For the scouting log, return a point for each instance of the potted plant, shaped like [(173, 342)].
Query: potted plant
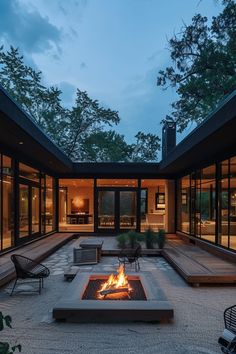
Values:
[(150, 238), (161, 238), (122, 240)]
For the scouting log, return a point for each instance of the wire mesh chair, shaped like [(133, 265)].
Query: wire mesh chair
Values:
[(27, 268), (228, 339), (130, 256)]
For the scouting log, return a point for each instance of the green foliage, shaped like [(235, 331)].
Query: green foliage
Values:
[(204, 70), (129, 239), (122, 240), (132, 237), (150, 238), (5, 348), (161, 238), (83, 132)]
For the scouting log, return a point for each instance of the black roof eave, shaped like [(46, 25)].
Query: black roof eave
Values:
[(116, 170), (209, 141), (18, 124)]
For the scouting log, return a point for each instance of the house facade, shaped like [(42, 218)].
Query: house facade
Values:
[(192, 191)]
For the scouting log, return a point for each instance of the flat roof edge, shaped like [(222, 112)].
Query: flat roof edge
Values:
[(25, 122)]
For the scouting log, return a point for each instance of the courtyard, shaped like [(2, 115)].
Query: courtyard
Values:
[(197, 323)]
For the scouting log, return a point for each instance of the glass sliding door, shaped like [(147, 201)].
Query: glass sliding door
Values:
[(117, 210), (106, 209), (23, 210), (35, 210), (128, 210)]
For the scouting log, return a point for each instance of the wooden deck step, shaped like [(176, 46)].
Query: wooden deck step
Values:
[(197, 266), (37, 250)]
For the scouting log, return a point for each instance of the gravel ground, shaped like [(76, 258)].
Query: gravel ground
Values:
[(198, 316)]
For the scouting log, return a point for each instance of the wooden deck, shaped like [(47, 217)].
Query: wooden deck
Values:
[(37, 250), (197, 266), (194, 264)]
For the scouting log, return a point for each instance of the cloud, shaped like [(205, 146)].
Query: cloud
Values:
[(27, 29), (83, 65), (143, 105)]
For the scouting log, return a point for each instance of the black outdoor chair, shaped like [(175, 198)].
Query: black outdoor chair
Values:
[(130, 256), (26, 268), (228, 339)]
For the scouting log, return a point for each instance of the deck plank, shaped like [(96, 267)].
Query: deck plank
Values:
[(198, 266), (38, 250)]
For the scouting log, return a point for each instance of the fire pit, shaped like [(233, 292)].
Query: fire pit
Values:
[(114, 287), (113, 298)]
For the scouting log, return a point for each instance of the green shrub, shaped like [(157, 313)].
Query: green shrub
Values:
[(122, 240), (150, 238), (161, 238), (128, 239), (5, 347), (132, 237)]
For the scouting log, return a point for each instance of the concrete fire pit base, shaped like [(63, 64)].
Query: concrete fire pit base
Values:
[(72, 308)]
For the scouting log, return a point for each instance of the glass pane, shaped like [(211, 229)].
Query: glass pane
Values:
[(28, 172), (35, 210), (7, 165), (224, 204), (76, 205), (208, 204), (198, 214), (23, 210), (232, 210), (43, 224), (128, 207), (50, 205), (184, 200), (8, 212), (106, 209), (192, 203), (155, 200)]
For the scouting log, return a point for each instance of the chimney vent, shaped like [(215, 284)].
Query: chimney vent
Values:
[(168, 136)]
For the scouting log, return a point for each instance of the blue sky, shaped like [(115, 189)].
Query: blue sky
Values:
[(113, 49)]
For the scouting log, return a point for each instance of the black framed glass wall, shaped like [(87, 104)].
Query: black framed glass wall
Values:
[(76, 205), (183, 202), (29, 201), (24, 193), (48, 204), (206, 203), (7, 211), (112, 205)]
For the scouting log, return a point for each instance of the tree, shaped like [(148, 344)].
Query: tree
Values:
[(82, 132), (106, 146), (145, 147), (204, 65)]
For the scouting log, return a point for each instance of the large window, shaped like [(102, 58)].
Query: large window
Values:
[(183, 203), (207, 203), (153, 204), (232, 204), (76, 205), (49, 216), (7, 205)]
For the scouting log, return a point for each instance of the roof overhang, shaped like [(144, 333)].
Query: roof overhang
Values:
[(115, 170), (212, 140), (16, 127)]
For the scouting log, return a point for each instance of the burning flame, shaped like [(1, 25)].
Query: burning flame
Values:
[(119, 281)]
